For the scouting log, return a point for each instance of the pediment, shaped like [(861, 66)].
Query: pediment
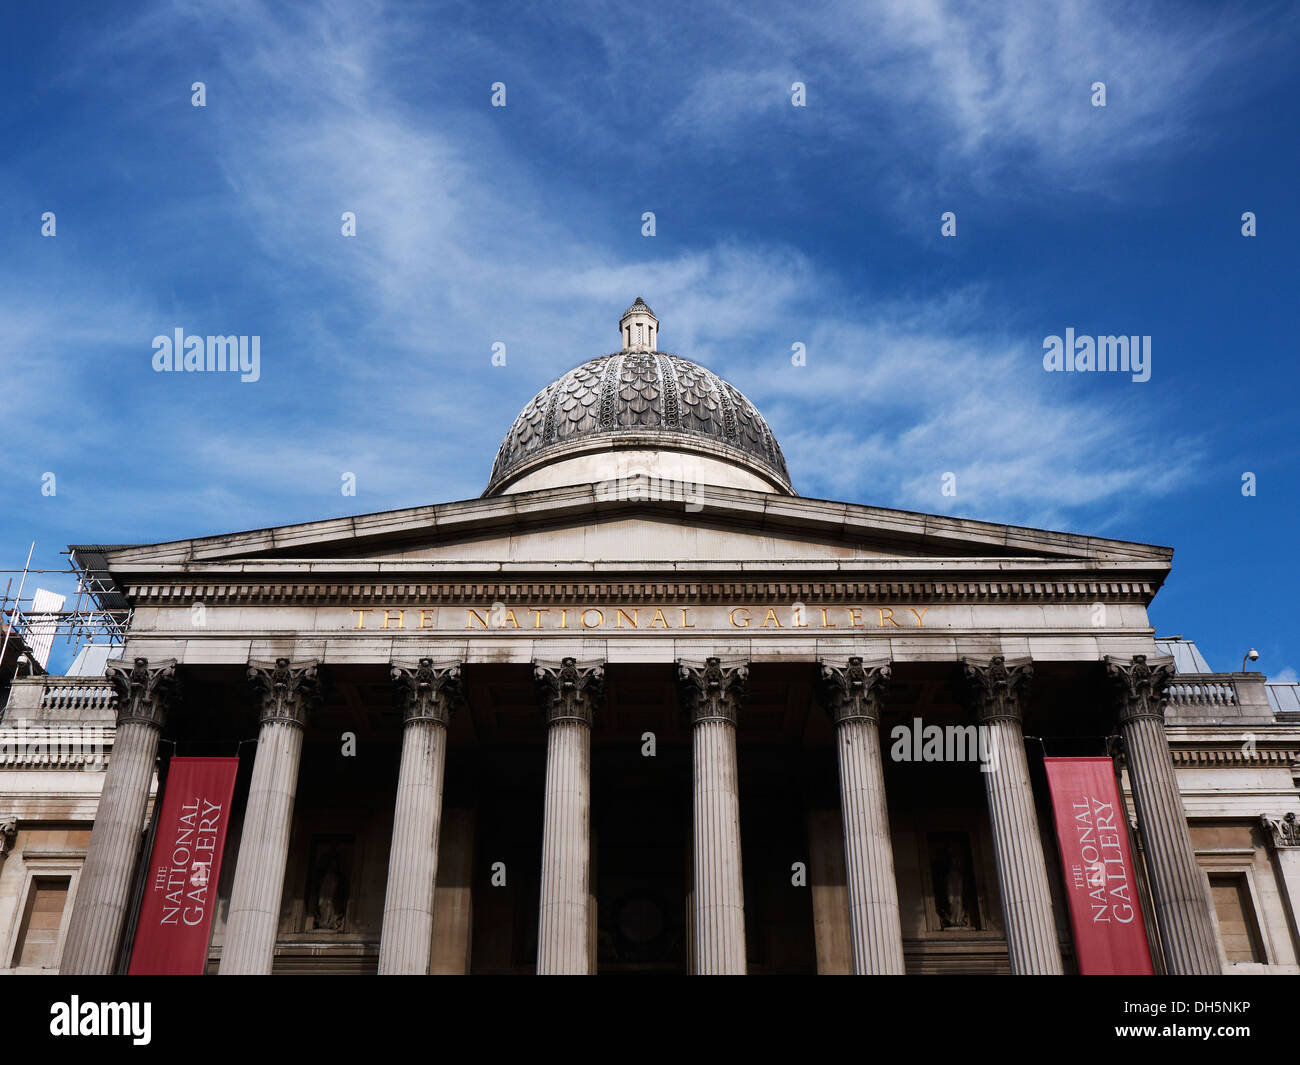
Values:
[(544, 530)]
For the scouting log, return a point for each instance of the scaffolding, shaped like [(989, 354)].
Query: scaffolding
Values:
[(99, 613)]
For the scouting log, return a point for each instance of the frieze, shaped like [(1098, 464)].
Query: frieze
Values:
[(501, 616), (674, 593)]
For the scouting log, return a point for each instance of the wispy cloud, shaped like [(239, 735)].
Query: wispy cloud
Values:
[(968, 95), (376, 349), (886, 408)]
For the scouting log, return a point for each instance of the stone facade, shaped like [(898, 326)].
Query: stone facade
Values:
[(568, 729)]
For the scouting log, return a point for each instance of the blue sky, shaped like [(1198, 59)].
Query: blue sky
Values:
[(775, 224)]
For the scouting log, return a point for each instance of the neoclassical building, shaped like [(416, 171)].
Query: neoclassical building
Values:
[(641, 708)]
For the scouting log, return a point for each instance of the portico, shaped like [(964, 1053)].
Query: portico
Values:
[(777, 707), (581, 726)]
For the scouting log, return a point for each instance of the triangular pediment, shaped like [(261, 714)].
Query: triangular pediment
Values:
[(721, 530)]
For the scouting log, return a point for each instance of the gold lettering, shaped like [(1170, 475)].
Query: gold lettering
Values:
[(472, 616), (590, 610), (510, 617), (771, 616), (855, 617), (825, 623), (426, 616), (684, 625), (737, 624), (659, 617), (537, 615), (920, 617), (399, 614), (361, 616), (564, 617), (632, 620), (887, 614)]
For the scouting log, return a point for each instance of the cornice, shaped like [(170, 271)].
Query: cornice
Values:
[(1229, 756), (755, 511), (1246, 745), (308, 592)]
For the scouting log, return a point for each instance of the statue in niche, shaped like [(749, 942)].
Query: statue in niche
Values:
[(328, 902), (956, 892), (953, 881)]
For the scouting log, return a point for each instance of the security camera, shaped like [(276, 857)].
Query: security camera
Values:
[(1251, 656)]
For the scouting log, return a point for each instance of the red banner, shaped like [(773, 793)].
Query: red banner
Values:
[(176, 914), (1109, 936)]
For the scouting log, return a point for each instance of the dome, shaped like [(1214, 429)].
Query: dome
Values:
[(682, 421)]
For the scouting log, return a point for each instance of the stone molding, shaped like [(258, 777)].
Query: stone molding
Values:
[(997, 688), (8, 833), (669, 593), (712, 692), (288, 691), (1281, 831), (855, 690), (570, 691), (1142, 686), (428, 693), (1233, 754), (144, 692)]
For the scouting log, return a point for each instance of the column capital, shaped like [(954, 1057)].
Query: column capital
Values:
[(712, 692), (997, 688), (855, 690), (570, 691), (1141, 685), (288, 690), (144, 692), (1281, 831), (428, 692)]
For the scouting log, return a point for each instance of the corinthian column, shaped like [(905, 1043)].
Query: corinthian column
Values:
[(1178, 888), (996, 691), (406, 939), (287, 691), (105, 884), (712, 695), (1283, 836), (853, 694), (569, 695)]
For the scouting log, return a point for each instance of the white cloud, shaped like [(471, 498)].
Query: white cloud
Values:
[(983, 93), (883, 410), (461, 243)]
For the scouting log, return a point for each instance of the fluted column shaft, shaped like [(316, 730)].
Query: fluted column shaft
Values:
[(712, 695), (569, 694), (287, 692), (1178, 888), (719, 887), (563, 944), (104, 887), (1032, 944), (407, 937), (853, 693)]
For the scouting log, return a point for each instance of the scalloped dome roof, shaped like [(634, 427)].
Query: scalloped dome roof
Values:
[(641, 399)]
